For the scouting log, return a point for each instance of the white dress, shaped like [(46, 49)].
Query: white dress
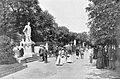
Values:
[(60, 60)]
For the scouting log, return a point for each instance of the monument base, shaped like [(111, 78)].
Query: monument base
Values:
[(27, 53)]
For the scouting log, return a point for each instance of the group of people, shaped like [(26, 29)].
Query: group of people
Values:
[(19, 51), (80, 52), (63, 55), (105, 56), (66, 54)]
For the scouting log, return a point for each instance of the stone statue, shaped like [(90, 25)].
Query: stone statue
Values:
[(27, 32), (75, 42)]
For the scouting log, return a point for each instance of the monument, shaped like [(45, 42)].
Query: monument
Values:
[(27, 44), (75, 42), (27, 33)]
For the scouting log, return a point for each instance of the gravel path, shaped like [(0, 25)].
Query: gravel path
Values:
[(79, 69)]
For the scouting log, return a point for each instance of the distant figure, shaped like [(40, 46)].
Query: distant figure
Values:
[(45, 55), (60, 61), (27, 32), (99, 63), (21, 48), (77, 52), (41, 50), (69, 55), (63, 55), (112, 57), (16, 51), (91, 54), (56, 52), (82, 52)]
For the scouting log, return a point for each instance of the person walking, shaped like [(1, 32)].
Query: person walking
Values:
[(99, 63), (41, 57), (64, 55), (45, 55), (56, 52), (106, 59), (77, 52), (82, 53), (21, 50), (59, 61), (112, 57), (69, 56), (91, 54)]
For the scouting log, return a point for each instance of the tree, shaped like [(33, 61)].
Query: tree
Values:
[(29, 11), (62, 34), (45, 26), (14, 16), (104, 20), (6, 32), (82, 37)]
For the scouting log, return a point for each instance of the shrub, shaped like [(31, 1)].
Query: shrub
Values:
[(6, 52)]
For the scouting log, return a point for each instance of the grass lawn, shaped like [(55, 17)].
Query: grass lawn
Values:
[(12, 68), (9, 69)]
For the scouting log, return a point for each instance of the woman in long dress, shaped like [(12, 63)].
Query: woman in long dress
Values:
[(64, 55), (69, 57), (99, 63), (60, 60)]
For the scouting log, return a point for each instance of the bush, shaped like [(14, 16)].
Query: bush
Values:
[(6, 53)]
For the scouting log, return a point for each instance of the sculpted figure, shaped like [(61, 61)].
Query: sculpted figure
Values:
[(27, 32)]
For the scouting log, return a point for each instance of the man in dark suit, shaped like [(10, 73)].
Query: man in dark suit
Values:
[(45, 55)]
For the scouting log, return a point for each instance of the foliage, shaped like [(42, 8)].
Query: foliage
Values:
[(6, 53), (82, 36), (103, 20)]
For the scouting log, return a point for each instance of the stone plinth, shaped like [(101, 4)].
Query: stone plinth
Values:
[(27, 52)]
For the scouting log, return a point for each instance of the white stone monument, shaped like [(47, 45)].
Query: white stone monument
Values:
[(27, 32), (75, 42), (46, 46), (27, 43)]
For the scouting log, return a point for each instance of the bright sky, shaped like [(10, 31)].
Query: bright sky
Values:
[(69, 13)]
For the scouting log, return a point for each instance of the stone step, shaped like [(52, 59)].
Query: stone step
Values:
[(27, 54)]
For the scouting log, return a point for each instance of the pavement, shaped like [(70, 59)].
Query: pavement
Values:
[(79, 69)]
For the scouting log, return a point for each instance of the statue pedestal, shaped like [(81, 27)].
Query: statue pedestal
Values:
[(27, 52)]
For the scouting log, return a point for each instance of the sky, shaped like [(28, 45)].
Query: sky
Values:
[(69, 13)]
